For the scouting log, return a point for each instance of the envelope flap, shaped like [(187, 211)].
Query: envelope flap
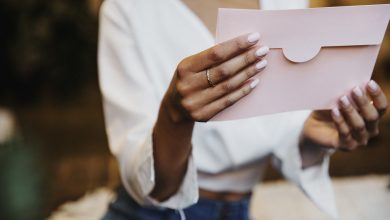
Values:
[(302, 32)]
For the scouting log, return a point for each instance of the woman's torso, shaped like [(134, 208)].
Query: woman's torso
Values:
[(231, 155)]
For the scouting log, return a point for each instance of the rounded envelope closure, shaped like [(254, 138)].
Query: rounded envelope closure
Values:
[(301, 54)]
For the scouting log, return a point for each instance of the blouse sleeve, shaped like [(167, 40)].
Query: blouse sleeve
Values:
[(131, 107), (314, 181)]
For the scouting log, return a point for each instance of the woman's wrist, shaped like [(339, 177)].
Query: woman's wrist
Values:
[(311, 153), (171, 110)]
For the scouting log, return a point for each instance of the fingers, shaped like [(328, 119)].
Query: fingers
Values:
[(208, 111), (221, 52), (367, 111), (356, 125), (346, 141), (227, 69), (234, 65), (378, 97), (354, 121), (211, 94)]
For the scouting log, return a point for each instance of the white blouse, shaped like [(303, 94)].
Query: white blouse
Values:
[(140, 44)]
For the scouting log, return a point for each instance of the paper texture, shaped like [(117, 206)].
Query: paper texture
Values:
[(316, 55)]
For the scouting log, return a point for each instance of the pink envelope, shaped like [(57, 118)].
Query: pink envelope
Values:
[(316, 55)]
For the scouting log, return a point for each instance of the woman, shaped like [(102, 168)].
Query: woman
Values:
[(156, 86)]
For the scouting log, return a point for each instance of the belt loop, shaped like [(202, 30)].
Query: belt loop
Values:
[(182, 214)]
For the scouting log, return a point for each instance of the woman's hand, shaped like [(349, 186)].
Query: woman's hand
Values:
[(207, 83), (348, 127)]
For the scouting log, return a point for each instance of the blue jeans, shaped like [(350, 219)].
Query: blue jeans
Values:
[(125, 208)]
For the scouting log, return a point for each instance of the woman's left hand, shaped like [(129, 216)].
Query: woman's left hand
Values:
[(348, 127)]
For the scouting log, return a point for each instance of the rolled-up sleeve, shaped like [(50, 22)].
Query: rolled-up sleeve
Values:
[(131, 107), (314, 181)]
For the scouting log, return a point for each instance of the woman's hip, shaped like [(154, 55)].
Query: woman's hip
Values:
[(124, 207)]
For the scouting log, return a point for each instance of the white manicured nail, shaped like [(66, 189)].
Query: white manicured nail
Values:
[(253, 38), (373, 86), (336, 112), (262, 51), (254, 83), (260, 65), (358, 91), (345, 101)]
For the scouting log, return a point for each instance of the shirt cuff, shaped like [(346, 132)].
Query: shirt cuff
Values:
[(312, 154), (138, 177), (314, 181)]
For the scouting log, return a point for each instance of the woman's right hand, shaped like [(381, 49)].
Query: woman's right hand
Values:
[(194, 96)]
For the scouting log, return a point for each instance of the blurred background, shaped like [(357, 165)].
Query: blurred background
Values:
[(53, 147)]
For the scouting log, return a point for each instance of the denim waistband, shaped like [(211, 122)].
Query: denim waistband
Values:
[(217, 209), (208, 209), (222, 203)]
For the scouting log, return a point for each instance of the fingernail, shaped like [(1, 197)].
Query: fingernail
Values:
[(373, 86), (254, 83), (336, 112), (358, 91), (262, 51), (260, 65), (345, 101), (253, 38)]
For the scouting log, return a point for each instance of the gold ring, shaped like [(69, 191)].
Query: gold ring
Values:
[(211, 84)]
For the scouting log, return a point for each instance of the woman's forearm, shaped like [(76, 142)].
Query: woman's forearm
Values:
[(172, 148)]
